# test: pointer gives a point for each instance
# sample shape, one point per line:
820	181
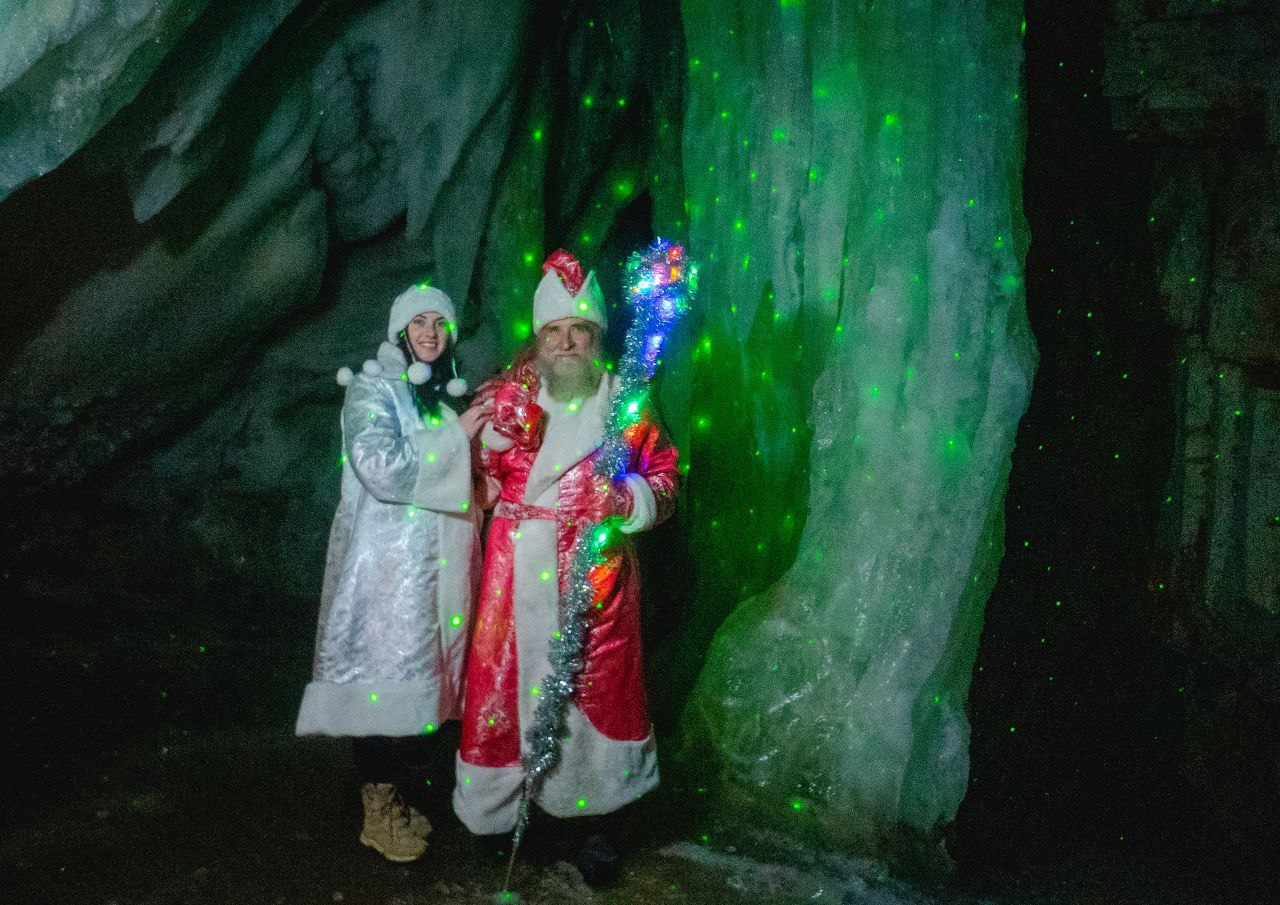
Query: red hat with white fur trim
564	292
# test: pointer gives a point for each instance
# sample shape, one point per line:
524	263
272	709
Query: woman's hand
475	418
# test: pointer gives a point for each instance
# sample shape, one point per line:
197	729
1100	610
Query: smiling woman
427	341
402	562
428	335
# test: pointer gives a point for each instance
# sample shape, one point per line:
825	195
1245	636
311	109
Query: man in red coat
547	422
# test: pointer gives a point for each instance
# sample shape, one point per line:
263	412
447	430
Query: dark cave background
1114	725
1068	657
1096	675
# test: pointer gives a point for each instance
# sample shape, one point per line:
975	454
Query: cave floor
152	761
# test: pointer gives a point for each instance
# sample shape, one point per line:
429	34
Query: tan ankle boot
419	825
386	825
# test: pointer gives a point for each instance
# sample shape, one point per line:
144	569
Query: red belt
521	511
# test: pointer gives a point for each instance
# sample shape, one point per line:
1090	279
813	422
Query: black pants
377	759
382	758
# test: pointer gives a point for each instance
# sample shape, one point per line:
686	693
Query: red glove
517	416
610	499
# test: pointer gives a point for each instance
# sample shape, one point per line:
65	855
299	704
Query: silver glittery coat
404	557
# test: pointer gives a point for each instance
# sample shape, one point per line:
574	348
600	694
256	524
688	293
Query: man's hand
473	419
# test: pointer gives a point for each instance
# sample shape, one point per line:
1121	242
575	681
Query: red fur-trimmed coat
547	470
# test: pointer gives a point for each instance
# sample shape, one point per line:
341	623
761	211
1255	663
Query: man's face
568	349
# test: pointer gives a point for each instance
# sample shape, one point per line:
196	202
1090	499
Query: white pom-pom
456	387
344	376
419	372
371	367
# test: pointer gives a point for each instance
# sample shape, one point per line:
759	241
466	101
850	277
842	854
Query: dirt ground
152	761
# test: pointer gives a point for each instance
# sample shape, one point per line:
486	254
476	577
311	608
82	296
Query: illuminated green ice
857	215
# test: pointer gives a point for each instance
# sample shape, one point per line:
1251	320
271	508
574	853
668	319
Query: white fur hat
414	301
564	293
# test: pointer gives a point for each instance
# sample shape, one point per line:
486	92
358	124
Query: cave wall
209	208
232	215
1197	83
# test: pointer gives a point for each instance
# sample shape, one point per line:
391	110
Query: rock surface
1197	81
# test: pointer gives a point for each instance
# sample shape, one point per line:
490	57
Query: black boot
598	860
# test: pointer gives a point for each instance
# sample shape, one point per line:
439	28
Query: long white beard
576	383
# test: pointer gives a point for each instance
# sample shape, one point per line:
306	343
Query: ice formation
853	177
68	67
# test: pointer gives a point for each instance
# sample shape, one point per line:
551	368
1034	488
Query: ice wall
853	178
68	67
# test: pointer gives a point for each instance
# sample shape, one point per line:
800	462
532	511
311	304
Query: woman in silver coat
403	561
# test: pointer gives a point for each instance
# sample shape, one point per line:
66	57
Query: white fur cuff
644	505
494	440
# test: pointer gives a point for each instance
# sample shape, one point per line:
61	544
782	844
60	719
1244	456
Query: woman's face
428	335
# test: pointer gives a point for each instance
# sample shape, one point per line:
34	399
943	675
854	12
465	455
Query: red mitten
517	416
610	499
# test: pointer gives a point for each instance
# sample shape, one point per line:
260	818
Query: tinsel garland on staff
660	285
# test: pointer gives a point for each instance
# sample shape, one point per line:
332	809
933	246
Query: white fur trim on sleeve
444	471
644	505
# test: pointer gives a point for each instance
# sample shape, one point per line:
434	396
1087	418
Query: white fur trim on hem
644	505
596	775
487	799
370	708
